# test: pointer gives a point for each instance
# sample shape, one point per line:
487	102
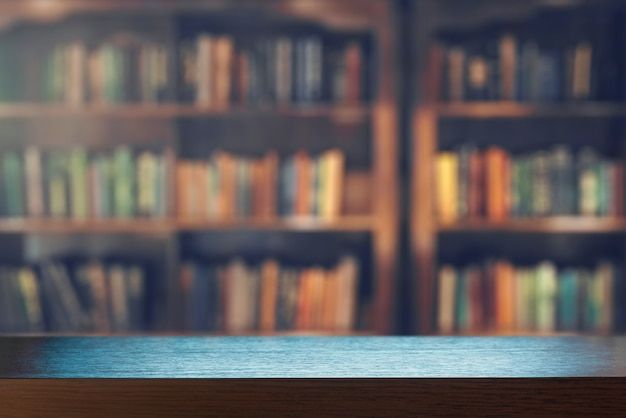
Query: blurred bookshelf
517	186
138	141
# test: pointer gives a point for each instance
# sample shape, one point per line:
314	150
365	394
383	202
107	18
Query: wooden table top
311	357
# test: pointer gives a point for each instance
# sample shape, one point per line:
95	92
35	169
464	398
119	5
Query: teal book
462	302
12	177
568	300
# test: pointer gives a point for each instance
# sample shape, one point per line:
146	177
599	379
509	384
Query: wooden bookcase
433	243
369	127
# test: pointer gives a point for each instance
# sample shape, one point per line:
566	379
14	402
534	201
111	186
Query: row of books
501	297
57	297
497	185
211	71
552	56
239	297
228	186
114	72
73	183
218	70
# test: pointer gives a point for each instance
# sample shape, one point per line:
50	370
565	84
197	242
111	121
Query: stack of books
501	297
80	185
497	185
227	186
57	297
239	298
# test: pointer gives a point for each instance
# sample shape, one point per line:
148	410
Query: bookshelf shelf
130	226
349	223
506	109
147	226
566	225
344	113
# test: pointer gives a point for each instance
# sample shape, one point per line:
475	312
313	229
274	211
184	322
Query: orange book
505	296
222	60
303	185
317	294
227	169
201	182
269	291
302	321
497	183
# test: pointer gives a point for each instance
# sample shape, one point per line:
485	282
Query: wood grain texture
295	376
311	357
313	397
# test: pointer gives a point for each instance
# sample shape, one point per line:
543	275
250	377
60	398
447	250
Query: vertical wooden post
385	242
423	222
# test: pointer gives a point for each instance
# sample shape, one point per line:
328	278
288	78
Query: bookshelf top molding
515	110
345	14
290	357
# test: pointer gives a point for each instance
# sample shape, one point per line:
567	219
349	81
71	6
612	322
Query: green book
78	183
546	288
568	300
147	178
57	184
123	183
12	177
462	301
592	308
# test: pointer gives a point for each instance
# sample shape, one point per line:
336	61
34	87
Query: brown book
497	183
476	185
183	189
508	67
456	74
269	291
432	79
357	198
227	168
303	186
242	77
489	296
270	186
353	60
474	286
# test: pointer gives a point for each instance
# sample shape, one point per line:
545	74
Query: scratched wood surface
319	376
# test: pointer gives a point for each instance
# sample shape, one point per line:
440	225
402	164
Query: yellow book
447	186
332	184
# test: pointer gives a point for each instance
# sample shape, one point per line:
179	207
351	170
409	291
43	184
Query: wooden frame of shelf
371	16
425	227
